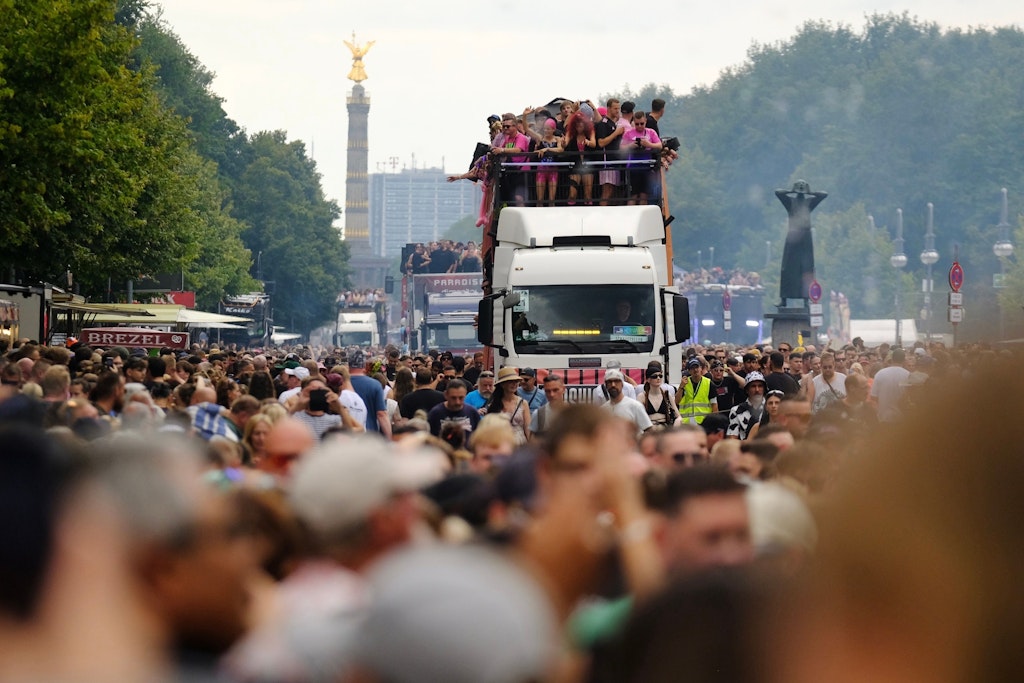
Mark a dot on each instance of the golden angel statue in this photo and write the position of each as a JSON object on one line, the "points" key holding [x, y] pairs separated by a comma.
{"points": [[358, 73]]}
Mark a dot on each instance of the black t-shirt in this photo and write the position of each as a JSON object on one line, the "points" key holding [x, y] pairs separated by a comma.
{"points": [[652, 124], [602, 130], [418, 266], [465, 416], [441, 260], [782, 382], [471, 375], [728, 393], [421, 399]]}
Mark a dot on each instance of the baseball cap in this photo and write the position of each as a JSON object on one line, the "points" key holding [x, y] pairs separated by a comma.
{"points": [[613, 375], [300, 372], [692, 363], [338, 484], [527, 372], [460, 614]]}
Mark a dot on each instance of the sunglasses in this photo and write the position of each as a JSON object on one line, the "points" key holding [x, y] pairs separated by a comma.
{"points": [[658, 376], [683, 458]]}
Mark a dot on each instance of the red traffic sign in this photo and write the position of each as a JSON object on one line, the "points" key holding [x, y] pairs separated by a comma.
{"points": [[815, 291], [726, 300], [956, 276]]}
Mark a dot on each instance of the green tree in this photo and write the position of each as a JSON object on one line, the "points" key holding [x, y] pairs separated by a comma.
{"points": [[94, 176], [279, 197]]}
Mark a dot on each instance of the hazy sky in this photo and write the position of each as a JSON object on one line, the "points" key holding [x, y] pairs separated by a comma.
{"points": [[437, 69]]}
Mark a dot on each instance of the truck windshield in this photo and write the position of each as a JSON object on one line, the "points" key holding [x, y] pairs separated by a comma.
{"points": [[451, 335], [584, 319], [354, 338]]}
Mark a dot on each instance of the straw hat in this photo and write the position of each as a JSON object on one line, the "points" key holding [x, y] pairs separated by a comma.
{"points": [[507, 375]]}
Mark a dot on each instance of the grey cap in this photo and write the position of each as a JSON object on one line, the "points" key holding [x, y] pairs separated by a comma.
{"points": [[459, 614]]}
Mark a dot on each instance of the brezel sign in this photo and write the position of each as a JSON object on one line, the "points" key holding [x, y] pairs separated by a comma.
{"points": [[132, 337]]}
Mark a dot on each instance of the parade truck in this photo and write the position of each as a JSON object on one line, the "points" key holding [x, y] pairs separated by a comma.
{"points": [[449, 321], [573, 288], [357, 326], [259, 324], [440, 311]]}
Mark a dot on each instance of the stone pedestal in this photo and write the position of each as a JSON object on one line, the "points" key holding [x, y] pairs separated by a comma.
{"points": [[789, 322]]}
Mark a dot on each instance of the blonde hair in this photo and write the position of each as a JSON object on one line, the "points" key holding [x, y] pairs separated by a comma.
{"points": [[494, 430], [275, 411]]}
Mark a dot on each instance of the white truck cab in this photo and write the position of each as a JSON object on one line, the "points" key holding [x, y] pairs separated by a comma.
{"points": [[574, 288]]}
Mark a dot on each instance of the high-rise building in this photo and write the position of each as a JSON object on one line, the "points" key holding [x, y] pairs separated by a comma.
{"points": [[416, 205]]}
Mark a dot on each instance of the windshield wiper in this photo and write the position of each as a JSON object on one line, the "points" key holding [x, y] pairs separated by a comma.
{"points": [[549, 346], [632, 347]]}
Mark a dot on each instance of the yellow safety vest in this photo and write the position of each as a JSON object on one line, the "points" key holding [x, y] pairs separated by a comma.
{"points": [[695, 406]]}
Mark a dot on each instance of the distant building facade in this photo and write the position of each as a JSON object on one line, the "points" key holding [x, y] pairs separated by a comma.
{"points": [[416, 205]]}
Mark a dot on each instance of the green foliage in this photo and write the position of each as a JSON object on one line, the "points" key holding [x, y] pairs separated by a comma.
{"points": [[278, 196], [463, 230], [93, 177], [896, 114]]}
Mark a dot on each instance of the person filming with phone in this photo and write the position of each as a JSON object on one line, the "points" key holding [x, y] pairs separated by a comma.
{"points": [[320, 408]]}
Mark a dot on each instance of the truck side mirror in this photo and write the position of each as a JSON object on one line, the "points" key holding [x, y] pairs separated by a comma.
{"points": [[681, 318], [485, 322]]}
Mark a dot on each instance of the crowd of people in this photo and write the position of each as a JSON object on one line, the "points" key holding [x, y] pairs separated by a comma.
{"points": [[353, 298], [719, 276], [443, 256], [328, 514], [572, 152]]}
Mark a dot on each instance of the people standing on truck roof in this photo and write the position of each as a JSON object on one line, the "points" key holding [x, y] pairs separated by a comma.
{"points": [[444, 259], [511, 145], [506, 400], [579, 139], [657, 111], [640, 143], [609, 132], [547, 145]]}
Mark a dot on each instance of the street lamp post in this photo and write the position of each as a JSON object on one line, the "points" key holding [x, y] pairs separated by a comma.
{"points": [[898, 260], [929, 257], [711, 259], [1003, 249], [767, 254]]}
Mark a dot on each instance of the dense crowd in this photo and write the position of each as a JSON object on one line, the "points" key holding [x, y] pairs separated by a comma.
{"points": [[326, 514], [444, 256], [719, 276], [361, 297]]}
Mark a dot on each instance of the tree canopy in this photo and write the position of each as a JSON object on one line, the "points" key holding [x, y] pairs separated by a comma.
{"points": [[894, 115]]}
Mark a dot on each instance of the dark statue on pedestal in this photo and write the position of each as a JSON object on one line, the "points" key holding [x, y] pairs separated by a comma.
{"points": [[798, 254]]}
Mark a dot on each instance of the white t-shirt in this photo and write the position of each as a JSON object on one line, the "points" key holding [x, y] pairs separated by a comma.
{"points": [[887, 391], [354, 404], [285, 395], [823, 395], [632, 410]]}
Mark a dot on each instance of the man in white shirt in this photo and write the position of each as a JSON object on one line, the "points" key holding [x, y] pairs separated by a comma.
{"points": [[624, 407], [887, 388], [293, 377]]}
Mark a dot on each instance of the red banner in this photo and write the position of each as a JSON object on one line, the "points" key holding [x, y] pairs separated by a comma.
{"points": [[186, 299], [131, 337]]}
